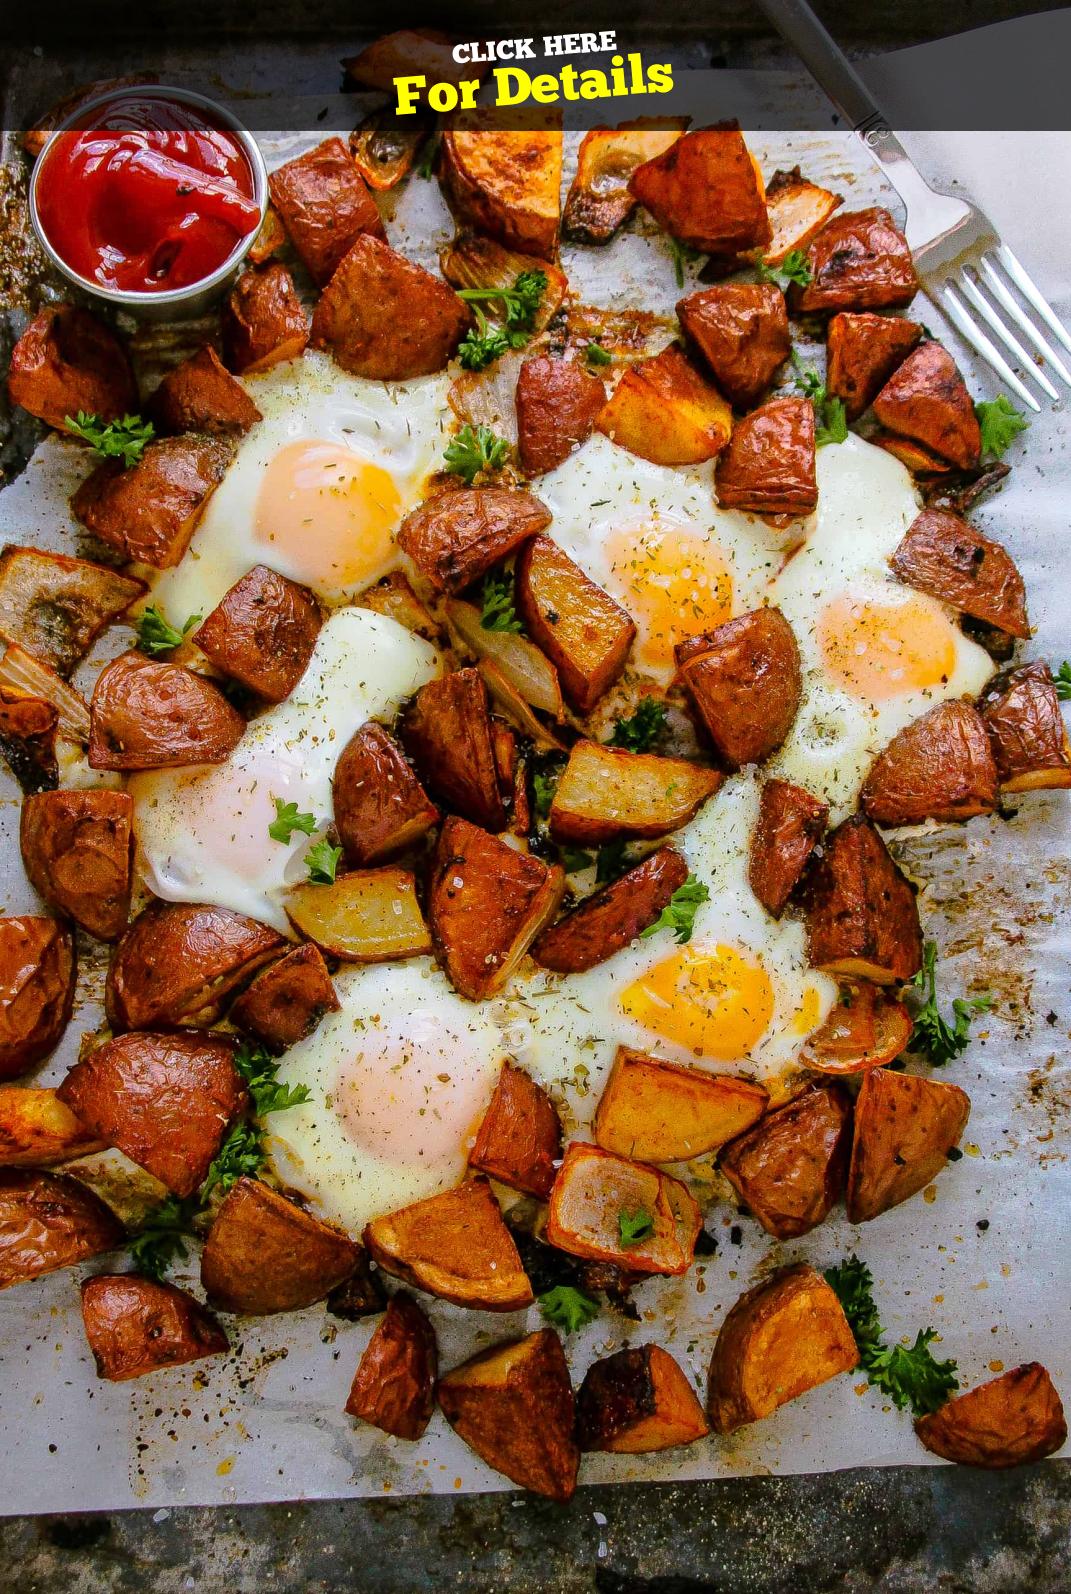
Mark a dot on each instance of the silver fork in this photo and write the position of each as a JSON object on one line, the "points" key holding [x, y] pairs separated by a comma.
{"points": [[963, 264]]}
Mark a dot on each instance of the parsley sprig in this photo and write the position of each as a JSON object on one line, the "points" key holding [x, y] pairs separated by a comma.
{"points": [[322, 862], [933, 1036], [162, 1238], [123, 439], [1062, 680], [683, 255], [679, 913], [568, 1308], [519, 304], [909, 1374], [831, 423], [426, 164], [497, 609], [794, 268], [156, 635], [634, 1227], [288, 819], [258, 1068], [640, 730], [544, 785], [474, 451], [595, 354], [1000, 424]]}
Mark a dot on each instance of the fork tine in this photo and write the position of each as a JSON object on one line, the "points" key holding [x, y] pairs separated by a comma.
{"points": [[1018, 315], [989, 315], [1026, 286], [957, 314]]}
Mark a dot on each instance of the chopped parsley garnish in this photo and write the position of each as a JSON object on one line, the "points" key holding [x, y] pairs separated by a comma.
{"points": [[157, 635], [595, 354], [258, 1068], [909, 1374], [634, 1227], [162, 1238], [472, 452], [124, 439], [1000, 424], [574, 859], [1062, 680], [240, 1156], [544, 785], [287, 820], [568, 1308], [682, 256], [497, 611], [612, 861], [641, 730], [933, 1036], [794, 268], [484, 343], [321, 861], [679, 913], [426, 164], [830, 421]]}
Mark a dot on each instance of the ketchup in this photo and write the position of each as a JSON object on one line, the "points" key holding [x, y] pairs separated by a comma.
{"points": [[149, 197]]}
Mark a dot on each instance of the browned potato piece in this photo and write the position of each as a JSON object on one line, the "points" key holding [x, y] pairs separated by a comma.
{"points": [[938, 767], [37, 1130], [48, 1221], [1009, 1421], [325, 206], [287, 1001], [866, 1028], [745, 682], [594, 1188], [263, 321], [487, 903], [28, 727], [55, 606], [557, 402], [262, 633], [787, 1335], [394, 597], [513, 1404], [265, 1254], [456, 1246], [656, 1111], [921, 462], [360, 1295], [455, 538], [77, 849], [394, 1385], [797, 210], [926, 399], [706, 190], [741, 330], [904, 1128], [37, 975], [520, 1138], [136, 1326], [412, 52], [791, 1167], [269, 240], [366, 916], [179, 962], [599, 200], [505, 183], [385, 317], [584, 632], [1026, 729], [201, 395], [67, 361], [150, 512], [769, 465], [862, 352], [612, 918], [385, 146], [859, 261], [152, 714], [666, 411], [790, 825], [380, 806], [635, 1401], [862, 917], [943, 554], [447, 733], [605, 792]]}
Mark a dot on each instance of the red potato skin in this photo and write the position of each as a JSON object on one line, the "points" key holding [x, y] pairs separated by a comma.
{"points": [[150, 512], [768, 469], [262, 633], [263, 321], [266, 1254], [1010, 1421], [384, 317], [926, 400], [741, 330], [136, 1326], [612, 918], [557, 402], [790, 825], [325, 206], [201, 395], [37, 978], [49, 1221], [77, 849], [67, 361], [1026, 729], [287, 1001], [636, 1401], [860, 907], [380, 805], [862, 352], [746, 685], [859, 261], [394, 1385], [520, 1137], [790, 1169], [939, 767], [448, 734], [588, 639], [150, 714], [904, 1128], [943, 554], [455, 537], [705, 191]]}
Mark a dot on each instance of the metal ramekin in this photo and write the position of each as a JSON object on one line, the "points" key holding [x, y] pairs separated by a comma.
{"points": [[173, 303]]}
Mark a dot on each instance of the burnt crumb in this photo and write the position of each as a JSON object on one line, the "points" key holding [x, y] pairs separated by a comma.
{"points": [[1051, 1018], [706, 1244], [982, 1225], [954, 1154], [736, 1235]]}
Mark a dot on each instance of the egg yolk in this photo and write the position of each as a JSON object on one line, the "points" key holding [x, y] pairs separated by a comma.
{"points": [[327, 516], [712, 1000], [674, 583], [880, 650]]}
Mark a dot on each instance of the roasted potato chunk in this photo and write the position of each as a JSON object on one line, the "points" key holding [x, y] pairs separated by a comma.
{"points": [[411, 52], [787, 1335], [584, 632], [486, 905], [791, 1167], [325, 206], [360, 1295], [797, 210], [37, 1130], [557, 402], [904, 1128], [201, 395], [150, 511], [1008, 1421], [745, 683], [37, 975], [706, 190], [136, 1326], [385, 317], [790, 825], [262, 633], [599, 200], [455, 538], [866, 1028], [859, 261], [520, 1137], [862, 352], [269, 240], [1022, 715], [741, 330], [395, 598], [380, 806], [77, 849], [28, 729], [447, 733], [456, 1246], [265, 1254], [635, 1401], [926, 400], [612, 918], [656, 1111], [666, 411], [923, 463], [394, 1385], [263, 322], [946, 556], [938, 767], [606, 792], [49, 1221], [862, 917], [595, 1196], [151, 714], [513, 1405], [365, 916], [768, 468], [287, 1001], [55, 606], [505, 183], [179, 962], [67, 361]]}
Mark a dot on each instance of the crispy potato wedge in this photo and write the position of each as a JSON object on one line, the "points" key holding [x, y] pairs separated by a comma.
{"points": [[394, 597], [385, 146], [137, 1326], [595, 1189], [862, 917], [923, 463], [599, 201], [179, 962], [666, 411], [746, 685], [557, 402], [385, 317], [456, 1246], [77, 849], [287, 1001], [790, 825], [28, 731], [262, 633], [325, 206], [943, 554], [380, 806], [862, 352], [67, 361], [37, 1130], [447, 733], [938, 767], [787, 1335], [584, 632], [867, 1028], [790, 1169], [55, 606], [525, 669], [263, 321], [412, 52], [455, 538], [1008, 1421], [394, 1385], [37, 975], [606, 792], [265, 1254], [520, 1137], [926, 400], [513, 1405], [487, 903], [904, 1128], [475, 261], [797, 210], [49, 1221], [860, 260], [506, 183], [613, 917], [152, 714], [741, 330], [656, 1111], [365, 916], [636, 1401], [201, 395], [706, 190], [150, 512], [768, 468], [1026, 729]]}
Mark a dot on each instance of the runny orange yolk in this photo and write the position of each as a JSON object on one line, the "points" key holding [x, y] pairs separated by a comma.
{"points": [[880, 650], [710, 999], [327, 516], [673, 581]]}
